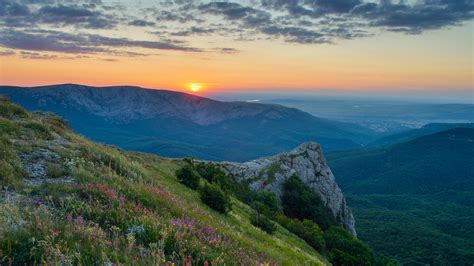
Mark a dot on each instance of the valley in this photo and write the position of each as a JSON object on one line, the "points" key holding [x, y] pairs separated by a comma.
{"points": [[413, 200]]}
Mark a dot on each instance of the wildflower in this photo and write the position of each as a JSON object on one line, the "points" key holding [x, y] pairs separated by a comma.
{"points": [[80, 220], [55, 232]]}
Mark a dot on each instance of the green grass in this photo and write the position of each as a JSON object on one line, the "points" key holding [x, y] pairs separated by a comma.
{"points": [[117, 207]]}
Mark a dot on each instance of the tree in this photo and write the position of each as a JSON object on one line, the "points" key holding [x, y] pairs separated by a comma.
{"points": [[215, 198], [188, 176], [261, 221], [345, 249], [300, 202]]}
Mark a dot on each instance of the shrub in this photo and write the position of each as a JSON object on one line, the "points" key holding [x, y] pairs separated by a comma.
{"points": [[267, 202], [213, 174], [262, 222], [8, 127], [345, 249], [313, 235], [56, 123], [206, 170], [299, 201], [215, 198], [10, 165], [39, 130], [11, 111], [8, 174], [188, 176], [307, 230], [55, 170]]}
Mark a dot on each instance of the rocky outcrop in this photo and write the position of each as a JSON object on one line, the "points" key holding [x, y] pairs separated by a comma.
{"points": [[308, 163]]}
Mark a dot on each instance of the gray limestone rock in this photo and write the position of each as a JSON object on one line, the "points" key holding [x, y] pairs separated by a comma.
{"points": [[308, 163]]}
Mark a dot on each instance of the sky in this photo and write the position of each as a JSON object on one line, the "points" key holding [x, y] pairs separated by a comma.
{"points": [[420, 47]]}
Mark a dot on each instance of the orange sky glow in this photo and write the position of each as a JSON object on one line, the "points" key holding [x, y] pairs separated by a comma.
{"points": [[440, 59]]}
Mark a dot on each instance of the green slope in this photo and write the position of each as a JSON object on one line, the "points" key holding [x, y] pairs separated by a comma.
{"points": [[414, 200], [67, 200]]}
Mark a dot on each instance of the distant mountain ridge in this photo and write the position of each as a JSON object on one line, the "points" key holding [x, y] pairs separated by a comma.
{"points": [[429, 164], [415, 133], [182, 125], [125, 103]]}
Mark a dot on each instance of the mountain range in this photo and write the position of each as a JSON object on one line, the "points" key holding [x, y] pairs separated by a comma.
{"points": [[182, 125]]}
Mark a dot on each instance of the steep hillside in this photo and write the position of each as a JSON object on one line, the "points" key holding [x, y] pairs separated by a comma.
{"points": [[182, 125], [414, 200], [66, 200], [435, 163]]}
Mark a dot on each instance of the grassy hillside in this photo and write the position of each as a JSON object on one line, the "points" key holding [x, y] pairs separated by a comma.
{"points": [[67, 200], [414, 200]]}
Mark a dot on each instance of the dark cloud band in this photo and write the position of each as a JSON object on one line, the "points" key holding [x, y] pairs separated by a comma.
{"points": [[173, 21]]}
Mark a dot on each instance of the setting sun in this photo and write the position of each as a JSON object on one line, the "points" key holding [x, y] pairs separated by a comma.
{"points": [[195, 87]]}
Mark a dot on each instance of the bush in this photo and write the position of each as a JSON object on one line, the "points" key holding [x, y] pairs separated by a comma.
{"points": [[307, 230], [38, 129], [55, 170], [213, 174], [8, 174], [313, 235], [11, 171], [266, 202], [188, 176], [300, 202], [262, 222], [11, 111], [215, 198], [8, 127], [345, 249]]}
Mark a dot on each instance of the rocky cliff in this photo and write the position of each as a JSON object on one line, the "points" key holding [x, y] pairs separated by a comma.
{"points": [[308, 163]]}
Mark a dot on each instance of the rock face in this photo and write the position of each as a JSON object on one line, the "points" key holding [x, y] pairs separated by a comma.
{"points": [[308, 163]]}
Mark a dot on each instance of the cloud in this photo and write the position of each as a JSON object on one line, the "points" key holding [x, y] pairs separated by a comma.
{"points": [[55, 41], [33, 55], [47, 41], [296, 34], [176, 22], [14, 9], [234, 11], [7, 53], [264, 23], [180, 15], [195, 31], [227, 50], [15, 14], [431, 14], [74, 15], [401, 16], [141, 23]]}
